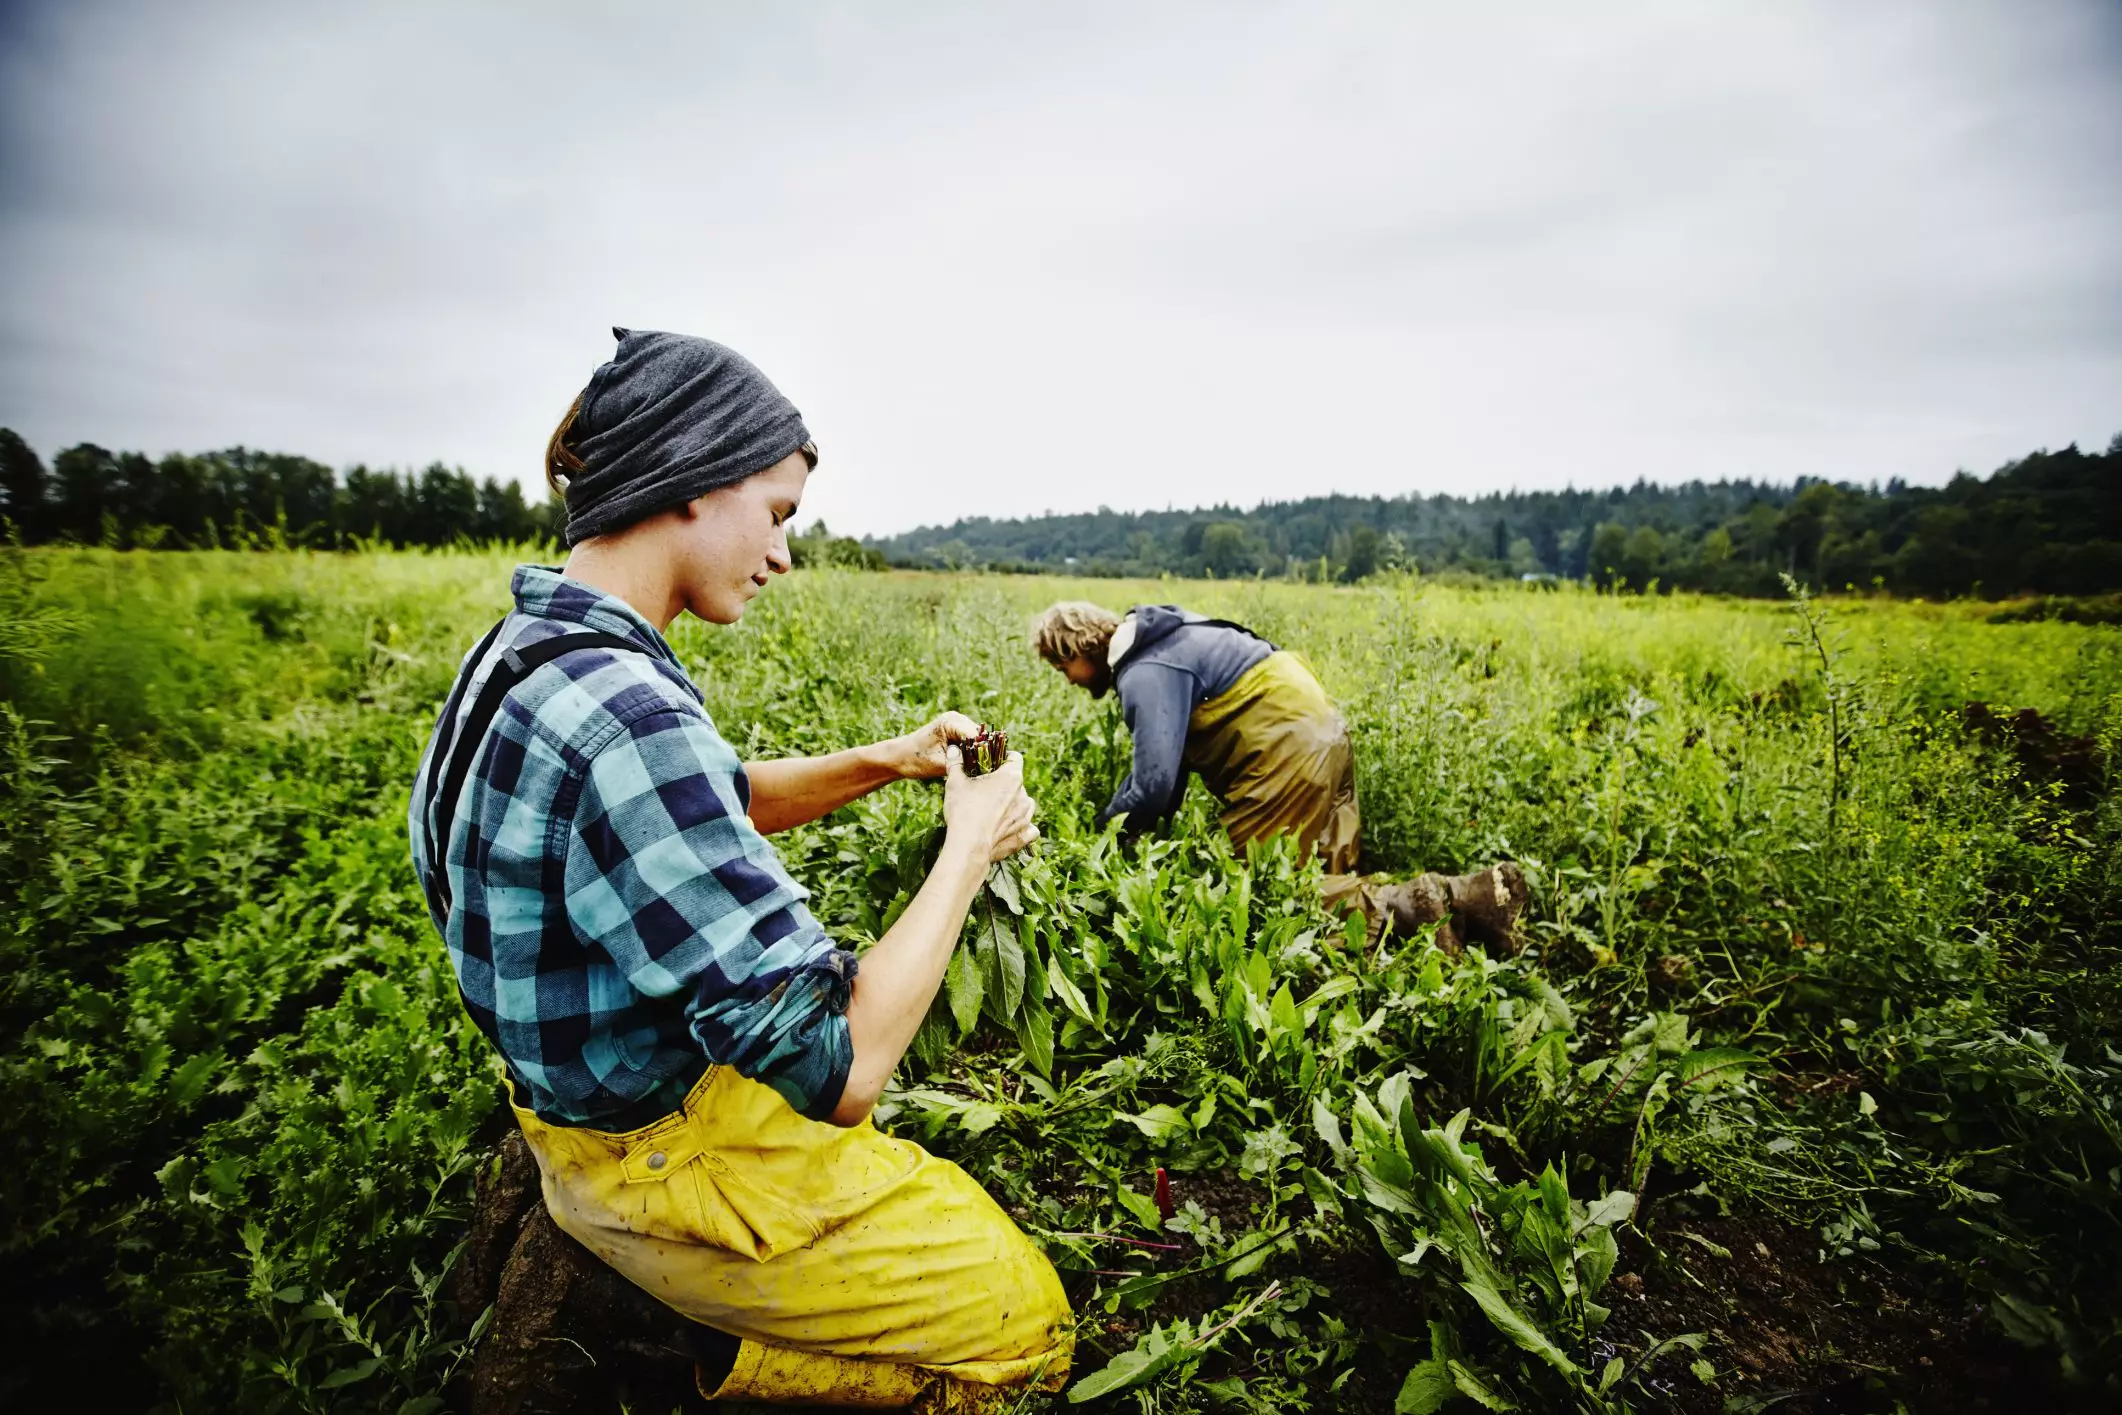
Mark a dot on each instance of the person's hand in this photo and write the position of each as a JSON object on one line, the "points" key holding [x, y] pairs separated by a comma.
{"points": [[919, 754], [990, 813]]}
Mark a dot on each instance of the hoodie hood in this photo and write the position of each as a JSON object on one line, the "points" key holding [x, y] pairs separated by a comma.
{"points": [[1144, 625]]}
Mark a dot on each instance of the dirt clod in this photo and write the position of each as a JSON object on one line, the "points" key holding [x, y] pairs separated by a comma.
{"points": [[568, 1335]]}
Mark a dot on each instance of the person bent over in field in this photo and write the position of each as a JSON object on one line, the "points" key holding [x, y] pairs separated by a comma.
{"points": [[1213, 698], [692, 1059]]}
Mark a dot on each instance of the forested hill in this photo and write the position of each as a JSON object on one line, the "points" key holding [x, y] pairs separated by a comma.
{"points": [[242, 498], [2050, 523]]}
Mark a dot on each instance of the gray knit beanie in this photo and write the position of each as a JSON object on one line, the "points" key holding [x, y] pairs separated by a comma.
{"points": [[671, 417]]}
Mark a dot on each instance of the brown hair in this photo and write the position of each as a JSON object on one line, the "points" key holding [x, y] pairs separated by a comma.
{"points": [[561, 461], [1074, 629]]}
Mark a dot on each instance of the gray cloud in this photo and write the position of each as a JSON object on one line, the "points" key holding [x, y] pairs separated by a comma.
{"points": [[1016, 257]]}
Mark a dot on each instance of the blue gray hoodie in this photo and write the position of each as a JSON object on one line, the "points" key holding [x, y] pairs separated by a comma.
{"points": [[1166, 662]]}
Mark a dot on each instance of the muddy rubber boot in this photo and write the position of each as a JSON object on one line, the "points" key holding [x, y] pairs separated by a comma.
{"points": [[1481, 907], [1406, 907], [1486, 904], [778, 1375]]}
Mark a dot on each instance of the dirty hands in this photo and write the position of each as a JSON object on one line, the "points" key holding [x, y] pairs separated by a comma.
{"points": [[918, 756], [989, 813]]}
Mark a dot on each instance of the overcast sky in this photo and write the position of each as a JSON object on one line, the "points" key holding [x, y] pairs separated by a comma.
{"points": [[1012, 257]]}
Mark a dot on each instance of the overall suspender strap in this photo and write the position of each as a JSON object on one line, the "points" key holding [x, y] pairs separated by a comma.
{"points": [[463, 748], [1230, 624], [447, 737]]}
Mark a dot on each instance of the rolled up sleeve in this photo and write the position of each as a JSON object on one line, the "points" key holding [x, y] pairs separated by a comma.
{"points": [[665, 872]]}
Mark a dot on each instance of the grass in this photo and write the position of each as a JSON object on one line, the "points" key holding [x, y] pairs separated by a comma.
{"points": [[1808, 960]]}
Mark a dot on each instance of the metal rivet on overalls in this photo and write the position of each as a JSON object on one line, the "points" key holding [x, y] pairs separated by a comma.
{"points": [[655, 1161]]}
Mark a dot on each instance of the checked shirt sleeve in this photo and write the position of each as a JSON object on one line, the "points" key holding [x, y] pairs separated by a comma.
{"points": [[666, 873]]}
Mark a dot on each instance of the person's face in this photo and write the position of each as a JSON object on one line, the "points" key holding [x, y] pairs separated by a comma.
{"points": [[736, 536], [1086, 674]]}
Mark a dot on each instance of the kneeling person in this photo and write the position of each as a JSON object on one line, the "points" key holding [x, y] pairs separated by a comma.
{"points": [[692, 1059]]}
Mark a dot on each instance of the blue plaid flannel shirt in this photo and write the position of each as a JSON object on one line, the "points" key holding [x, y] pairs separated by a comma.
{"points": [[618, 923]]}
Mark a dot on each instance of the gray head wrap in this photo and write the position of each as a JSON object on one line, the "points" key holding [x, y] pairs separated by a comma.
{"points": [[670, 418]]}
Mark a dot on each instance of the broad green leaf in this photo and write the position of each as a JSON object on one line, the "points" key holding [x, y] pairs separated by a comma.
{"points": [[1071, 996], [1369, 1131], [1556, 1007], [962, 985], [1427, 1389], [1554, 1196], [1133, 1367], [1617, 1207], [1517, 1326], [1431, 978], [1341, 985], [1009, 962], [1715, 1066], [1328, 1127], [1035, 1033], [1141, 1206], [1477, 1390], [1392, 1095], [1381, 1192], [979, 1117], [1159, 1122], [347, 1375], [1249, 1262], [1002, 881], [1282, 1012], [1204, 988], [1597, 1252]]}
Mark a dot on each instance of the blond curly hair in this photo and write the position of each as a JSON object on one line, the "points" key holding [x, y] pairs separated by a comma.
{"points": [[1074, 628]]}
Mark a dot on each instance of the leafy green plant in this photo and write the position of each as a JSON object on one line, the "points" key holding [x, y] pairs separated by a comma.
{"points": [[249, 1104]]}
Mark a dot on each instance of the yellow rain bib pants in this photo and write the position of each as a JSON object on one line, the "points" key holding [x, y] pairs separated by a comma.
{"points": [[1275, 750], [805, 1237]]}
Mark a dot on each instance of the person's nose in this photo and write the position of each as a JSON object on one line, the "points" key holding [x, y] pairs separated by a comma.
{"points": [[777, 556]]}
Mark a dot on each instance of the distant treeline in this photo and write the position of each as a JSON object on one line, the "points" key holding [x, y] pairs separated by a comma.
{"points": [[240, 498], [2050, 524]]}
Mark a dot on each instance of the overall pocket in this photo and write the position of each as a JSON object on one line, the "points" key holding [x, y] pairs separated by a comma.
{"points": [[784, 1178]]}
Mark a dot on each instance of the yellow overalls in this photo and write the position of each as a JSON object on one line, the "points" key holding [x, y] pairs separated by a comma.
{"points": [[814, 1242], [1273, 748]]}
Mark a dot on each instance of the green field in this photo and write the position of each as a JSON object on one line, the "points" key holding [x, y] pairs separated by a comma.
{"points": [[1804, 1083]]}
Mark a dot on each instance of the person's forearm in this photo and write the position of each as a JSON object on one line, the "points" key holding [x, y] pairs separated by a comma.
{"points": [[796, 790], [900, 975]]}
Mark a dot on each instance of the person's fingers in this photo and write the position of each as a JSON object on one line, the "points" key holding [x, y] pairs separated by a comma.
{"points": [[956, 726], [954, 761], [1010, 845], [1016, 818]]}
